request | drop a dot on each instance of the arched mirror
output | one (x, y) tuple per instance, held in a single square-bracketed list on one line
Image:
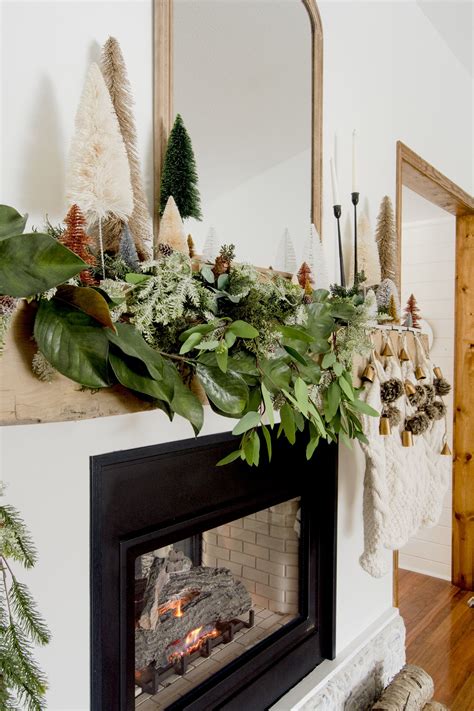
[(246, 77)]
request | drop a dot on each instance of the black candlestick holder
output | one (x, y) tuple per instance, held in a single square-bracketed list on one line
[(355, 202), (337, 214)]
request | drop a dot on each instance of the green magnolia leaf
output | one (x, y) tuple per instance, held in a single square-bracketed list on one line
[(11, 222), (33, 263), (268, 441), (88, 300), (184, 402), (268, 405), (296, 334), (133, 374), (248, 422), (294, 354), (301, 393), (132, 343), (347, 389), (227, 391), (363, 407), (277, 374), (328, 360), (333, 398), (288, 423), (191, 342), (242, 329), (230, 458), (222, 355), (241, 363), (73, 342)]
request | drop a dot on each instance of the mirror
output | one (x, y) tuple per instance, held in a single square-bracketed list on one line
[(242, 81)]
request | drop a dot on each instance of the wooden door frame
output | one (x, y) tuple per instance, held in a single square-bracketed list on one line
[(425, 180)]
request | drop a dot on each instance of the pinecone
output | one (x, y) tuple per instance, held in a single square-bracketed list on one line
[(165, 250), (224, 260)]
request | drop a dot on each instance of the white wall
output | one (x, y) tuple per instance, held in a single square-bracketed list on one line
[(376, 80), (428, 271)]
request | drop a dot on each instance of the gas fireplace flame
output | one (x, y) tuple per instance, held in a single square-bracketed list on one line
[(178, 611), (191, 642)]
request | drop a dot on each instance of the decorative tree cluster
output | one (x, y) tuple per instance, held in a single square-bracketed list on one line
[(172, 231), (78, 241), (368, 260), (315, 258), (127, 249), (179, 177), (139, 222), (386, 238), (21, 680), (413, 312)]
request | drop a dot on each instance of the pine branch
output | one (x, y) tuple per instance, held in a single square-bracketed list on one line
[(24, 608), (15, 540)]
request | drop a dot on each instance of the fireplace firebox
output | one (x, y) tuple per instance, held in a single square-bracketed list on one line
[(211, 587)]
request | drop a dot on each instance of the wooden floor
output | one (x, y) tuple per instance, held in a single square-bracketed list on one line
[(440, 636)]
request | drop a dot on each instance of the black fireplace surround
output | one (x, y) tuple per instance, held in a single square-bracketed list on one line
[(150, 497)]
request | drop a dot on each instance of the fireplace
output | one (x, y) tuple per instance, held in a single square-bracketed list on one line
[(211, 587)]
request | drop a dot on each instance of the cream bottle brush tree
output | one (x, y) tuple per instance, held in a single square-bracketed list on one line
[(98, 177)]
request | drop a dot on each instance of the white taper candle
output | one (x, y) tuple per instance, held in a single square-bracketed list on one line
[(335, 187), (354, 166)]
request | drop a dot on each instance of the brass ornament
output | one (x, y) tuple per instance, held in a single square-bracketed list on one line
[(407, 438), (369, 373), (438, 372), (419, 373), (403, 355), (387, 349), (384, 426), (409, 388), (446, 449)]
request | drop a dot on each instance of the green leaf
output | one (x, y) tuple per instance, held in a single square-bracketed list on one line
[(89, 301), (288, 423), (363, 407), (242, 329), (248, 450), (184, 402), (299, 420), (132, 374), (227, 391), (230, 338), (132, 278), (296, 334), (268, 440), (11, 222), (345, 439), (248, 422), (230, 458), (361, 437), (241, 363), (208, 345), (333, 398), (132, 343), (190, 343), (328, 360), (338, 368), (301, 393), (203, 328), (277, 374), (222, 355), (73, 342), (267, 401), (311, 446), (223, 281), (33, 263), (295, 355), (347, 389), (317, 420), (207, 273), (320, 295), (255, 440)]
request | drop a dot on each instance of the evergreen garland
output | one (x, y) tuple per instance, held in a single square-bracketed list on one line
[(21, 680), (179, 177)]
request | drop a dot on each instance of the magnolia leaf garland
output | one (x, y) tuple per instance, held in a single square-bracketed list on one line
[(139, 222)]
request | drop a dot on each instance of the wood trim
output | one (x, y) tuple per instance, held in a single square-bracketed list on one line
[(162, 96), (463, 441), (421, 177), (163, 100)]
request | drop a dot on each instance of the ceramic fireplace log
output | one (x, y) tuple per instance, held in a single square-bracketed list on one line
[(214, 596)]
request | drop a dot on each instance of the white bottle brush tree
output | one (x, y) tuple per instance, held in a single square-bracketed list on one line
[(98, 179), (313, 255)]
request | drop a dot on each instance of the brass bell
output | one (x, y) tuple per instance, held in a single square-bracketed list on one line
[(446, 449), (403, 355), (384, 426), (438, 372), (419, 373), (387, 350), (369, 373), (409, 388), (407, 438)]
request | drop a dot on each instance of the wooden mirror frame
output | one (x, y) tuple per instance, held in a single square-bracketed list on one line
[(163, 114)]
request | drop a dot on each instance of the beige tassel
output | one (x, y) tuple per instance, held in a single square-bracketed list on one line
[(172, 229), (407, 438)]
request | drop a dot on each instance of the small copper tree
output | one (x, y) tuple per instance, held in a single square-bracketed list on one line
[(412, 308), (78, 241)]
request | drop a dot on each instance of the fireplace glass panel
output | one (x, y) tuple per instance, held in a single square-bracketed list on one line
[(204, 601)]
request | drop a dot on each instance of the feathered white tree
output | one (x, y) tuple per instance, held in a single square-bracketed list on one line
[(211, 248), (98, 178), (285, 260), (313, 255), (367, 252)]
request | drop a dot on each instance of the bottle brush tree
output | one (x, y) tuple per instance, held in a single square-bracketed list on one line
[(412, 309), (179, 177), (386, 238), (78, 241)]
